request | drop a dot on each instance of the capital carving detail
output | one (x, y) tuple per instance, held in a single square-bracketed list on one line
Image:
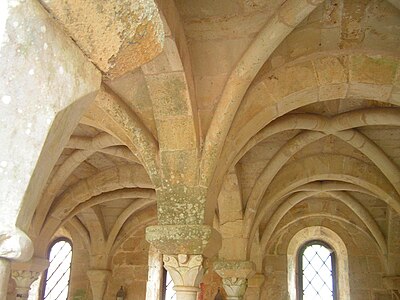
[(234, 276), (234, 287), (23, 280), (185, 270)]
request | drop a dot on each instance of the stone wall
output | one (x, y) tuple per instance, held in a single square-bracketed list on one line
[(366, 264), (129, 269)]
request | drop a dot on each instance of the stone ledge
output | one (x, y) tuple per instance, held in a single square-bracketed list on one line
[(234, 268)]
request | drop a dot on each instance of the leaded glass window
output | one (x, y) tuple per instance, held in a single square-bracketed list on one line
[(168, 293), (317, 272), (58, 273)]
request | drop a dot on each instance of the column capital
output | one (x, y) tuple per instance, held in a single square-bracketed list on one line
[(25, 273), (234, 287), (190, 239), (23, 280), (234, 276), (185, 270)]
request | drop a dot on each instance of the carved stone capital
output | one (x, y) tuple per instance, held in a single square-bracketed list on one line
[(25, 273), (193, 239), (23, 280), (185, 270), (234, 276), (15, 244), (234, 287)]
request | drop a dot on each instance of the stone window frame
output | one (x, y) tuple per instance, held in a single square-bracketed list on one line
[(44, 277), (329, 237)]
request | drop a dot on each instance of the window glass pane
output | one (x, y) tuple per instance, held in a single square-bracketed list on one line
[(317, 278), (170, 294), (58, 273)]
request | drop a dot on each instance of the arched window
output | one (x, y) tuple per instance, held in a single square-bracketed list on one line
[(57, 276), (316, 271), (340, 267)]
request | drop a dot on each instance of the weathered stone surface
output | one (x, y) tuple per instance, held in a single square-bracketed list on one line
[(36, 121), (259, 126), (118, 36), (191, 239)]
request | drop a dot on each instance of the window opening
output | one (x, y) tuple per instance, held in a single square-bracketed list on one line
[(58, 273), (316, 262), (168, 292)]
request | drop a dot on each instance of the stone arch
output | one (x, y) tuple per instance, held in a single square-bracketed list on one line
[(331, 238), (269, 98), (289, 15), (358, 209), (32, 144), (130, 129), (108, 180), (132, 209), (340, 122), (344, 121), (102, 140), (141, 221), (342, 169)]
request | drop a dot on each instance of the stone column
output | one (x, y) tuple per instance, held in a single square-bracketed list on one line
[(4, 277), (25, 273), (154, 277), (234, 277), (186, 272), (254, 285), (98, 282), (184, 248)]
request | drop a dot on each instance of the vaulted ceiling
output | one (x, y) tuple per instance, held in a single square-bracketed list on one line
[(298, 101)]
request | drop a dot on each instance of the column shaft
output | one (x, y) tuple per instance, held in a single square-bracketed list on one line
[(4, 277)]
